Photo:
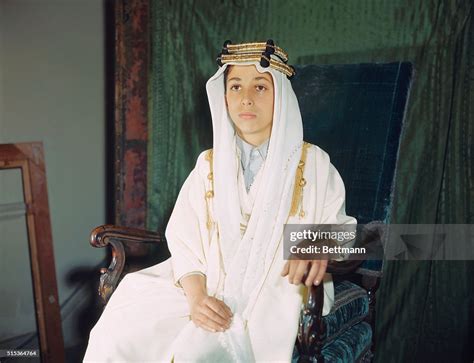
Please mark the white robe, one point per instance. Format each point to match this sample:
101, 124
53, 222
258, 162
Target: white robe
147, 318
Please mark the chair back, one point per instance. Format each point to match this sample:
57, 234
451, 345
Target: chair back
355, 113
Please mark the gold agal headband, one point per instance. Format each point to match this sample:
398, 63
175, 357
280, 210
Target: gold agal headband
268, 54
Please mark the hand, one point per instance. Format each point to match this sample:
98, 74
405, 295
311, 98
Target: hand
210, 313
298, 269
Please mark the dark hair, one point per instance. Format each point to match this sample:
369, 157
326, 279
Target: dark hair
226, 74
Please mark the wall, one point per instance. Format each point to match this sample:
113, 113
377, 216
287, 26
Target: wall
52, 90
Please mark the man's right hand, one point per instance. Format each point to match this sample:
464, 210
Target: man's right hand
210, 313
207, 312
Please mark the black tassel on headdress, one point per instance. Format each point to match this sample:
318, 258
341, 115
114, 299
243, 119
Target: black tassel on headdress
270, 49
265, 60
224, 51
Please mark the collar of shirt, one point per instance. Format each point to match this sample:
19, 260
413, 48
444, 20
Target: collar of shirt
246, 151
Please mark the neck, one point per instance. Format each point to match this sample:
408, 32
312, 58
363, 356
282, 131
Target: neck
254, 140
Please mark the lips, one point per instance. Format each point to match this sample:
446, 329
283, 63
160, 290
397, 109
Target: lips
247, 115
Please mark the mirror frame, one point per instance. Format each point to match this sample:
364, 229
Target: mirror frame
29, 157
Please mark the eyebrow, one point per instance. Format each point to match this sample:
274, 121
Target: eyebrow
255, 79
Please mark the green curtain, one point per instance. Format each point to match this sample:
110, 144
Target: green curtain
425, 309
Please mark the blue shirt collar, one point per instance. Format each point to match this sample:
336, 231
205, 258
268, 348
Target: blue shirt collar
245, 149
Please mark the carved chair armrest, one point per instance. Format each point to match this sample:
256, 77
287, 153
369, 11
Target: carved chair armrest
311, 332
115, 237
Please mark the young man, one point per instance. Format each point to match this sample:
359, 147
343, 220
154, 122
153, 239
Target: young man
227, 294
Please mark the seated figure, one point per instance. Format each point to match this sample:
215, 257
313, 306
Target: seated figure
227, 294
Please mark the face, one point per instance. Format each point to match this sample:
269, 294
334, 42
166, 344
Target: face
249, 99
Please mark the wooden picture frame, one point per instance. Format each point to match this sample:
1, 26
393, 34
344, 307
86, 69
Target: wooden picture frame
29, 158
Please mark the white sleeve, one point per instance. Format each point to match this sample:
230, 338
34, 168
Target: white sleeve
334, 211
186, 228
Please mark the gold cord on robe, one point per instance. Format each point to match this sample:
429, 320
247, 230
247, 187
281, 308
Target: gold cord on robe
300, 182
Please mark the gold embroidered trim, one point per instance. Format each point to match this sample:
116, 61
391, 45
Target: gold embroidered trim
279, 66
257, 47
209, 193
300, 182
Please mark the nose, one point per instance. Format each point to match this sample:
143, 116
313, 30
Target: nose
246, 100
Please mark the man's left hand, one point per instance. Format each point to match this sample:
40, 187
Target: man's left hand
309, 272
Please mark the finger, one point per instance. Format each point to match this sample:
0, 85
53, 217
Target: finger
313, 272
216, 318
208, 324
224, 306
301, 270
218, 307
292, 270
286, 269
199, 321
227, 309
322, 270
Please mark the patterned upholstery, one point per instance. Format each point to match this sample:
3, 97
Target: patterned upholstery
371, 268
350, 346
351, 306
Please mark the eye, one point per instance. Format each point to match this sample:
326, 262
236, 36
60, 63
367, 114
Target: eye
235, 87
260, 88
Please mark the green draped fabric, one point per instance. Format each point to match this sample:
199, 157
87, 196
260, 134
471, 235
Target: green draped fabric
425, 310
